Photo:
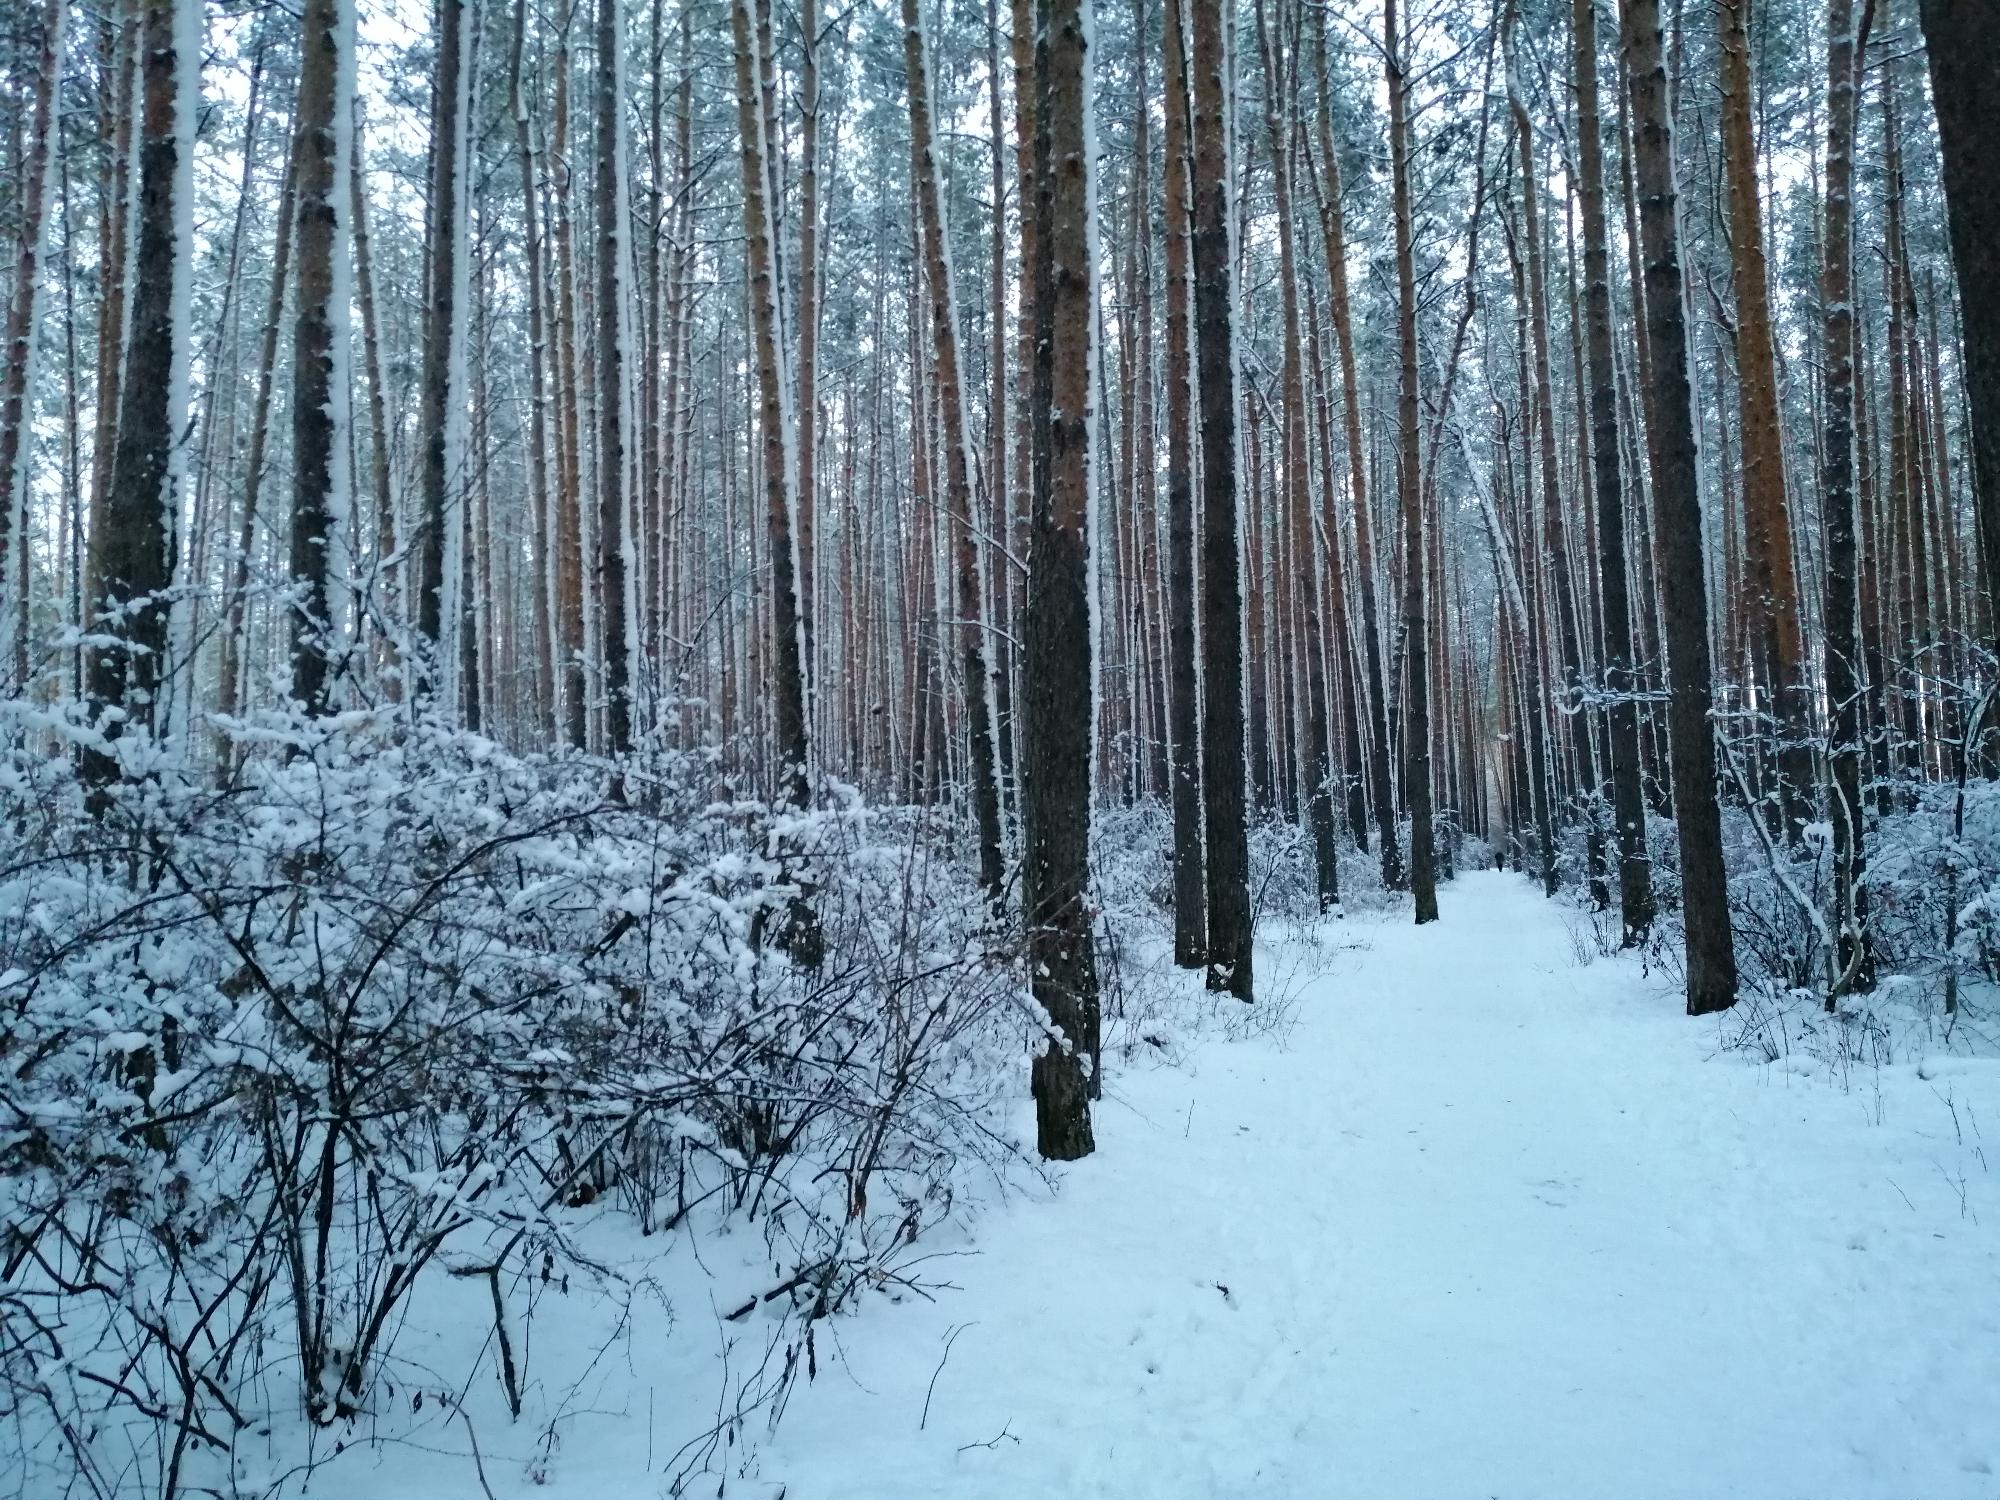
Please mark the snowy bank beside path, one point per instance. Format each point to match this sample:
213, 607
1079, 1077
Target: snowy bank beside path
1492, 1223
1489, 1223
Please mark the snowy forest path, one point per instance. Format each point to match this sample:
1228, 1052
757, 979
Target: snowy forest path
1490, 1222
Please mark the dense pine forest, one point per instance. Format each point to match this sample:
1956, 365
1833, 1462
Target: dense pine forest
646, 642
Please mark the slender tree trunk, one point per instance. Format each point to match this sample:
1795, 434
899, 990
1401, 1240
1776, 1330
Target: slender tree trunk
1190, 876
17, 383
1963, 40
774, 425
1333, 222
958, 464
538, 395
1773, 600
321, 478
615, 416
1297, 487
442, 411
1711, 955
1416, 629
1213, 263
1844, 669
1628, 806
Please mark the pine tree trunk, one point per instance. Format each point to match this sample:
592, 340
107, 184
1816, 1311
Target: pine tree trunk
1416, 628
1711, 956
1628, 806
774, 425
958, 464
1055, 796
1229, 912
320, 437
441, 414
1333, 223
132, 552
1190, 876
1963, 40
17, 382
1773, 595
614, 411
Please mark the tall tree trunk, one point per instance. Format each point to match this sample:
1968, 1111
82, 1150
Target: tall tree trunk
321, 451
1846, 39
1229, 912
1332, 217
1963, 40
1184, 708
132, 552
1711, 954
958, 464
442, 412
614, 383
1055, 873
17, 383
1628, 806
1416, 629
1296, 474
774, 423
538, 394
1774, 590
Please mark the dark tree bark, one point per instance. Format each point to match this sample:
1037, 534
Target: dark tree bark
788, 682
441, 481
1711, 954
1416, 626
1628, 807
1223, 782
1190, 875
1844, 677
1963, 39
1055, 793
132, 552
614, 407
957, 466
319, 389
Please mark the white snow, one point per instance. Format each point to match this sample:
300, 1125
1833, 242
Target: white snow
1488, 1221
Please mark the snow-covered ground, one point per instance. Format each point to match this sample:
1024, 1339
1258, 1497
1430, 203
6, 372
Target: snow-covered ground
1488, 1222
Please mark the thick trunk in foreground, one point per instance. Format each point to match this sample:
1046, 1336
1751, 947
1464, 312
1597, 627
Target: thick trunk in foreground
132, 553
1229, 913
1055, 793
1711, 953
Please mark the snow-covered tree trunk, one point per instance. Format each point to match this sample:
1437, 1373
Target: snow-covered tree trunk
321, 479
132, 551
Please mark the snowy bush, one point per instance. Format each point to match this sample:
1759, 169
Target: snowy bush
395, 1005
